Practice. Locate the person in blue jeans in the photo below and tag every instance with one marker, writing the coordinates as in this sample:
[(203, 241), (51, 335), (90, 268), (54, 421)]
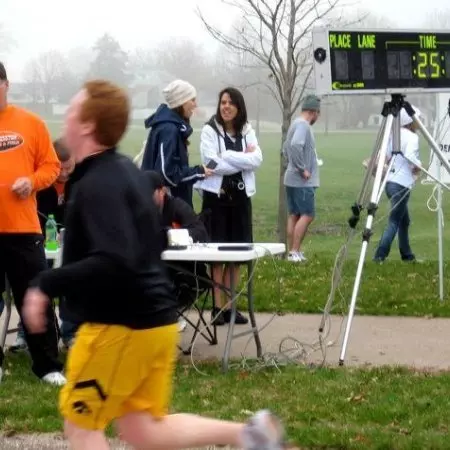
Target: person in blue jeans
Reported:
[(52, 201), (400, 180)]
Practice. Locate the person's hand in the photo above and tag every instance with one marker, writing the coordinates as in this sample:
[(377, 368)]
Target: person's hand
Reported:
[(306, 175), (22, 187), (250, 148), (416, 170), (34, 309), (208, 172)]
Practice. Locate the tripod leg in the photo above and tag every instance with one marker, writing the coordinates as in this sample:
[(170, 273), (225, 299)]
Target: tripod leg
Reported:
[(432, 143), (361, 200), (367, 232), (396, 133)]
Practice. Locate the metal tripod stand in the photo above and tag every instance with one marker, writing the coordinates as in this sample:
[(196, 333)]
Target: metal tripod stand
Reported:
[(389, 126)]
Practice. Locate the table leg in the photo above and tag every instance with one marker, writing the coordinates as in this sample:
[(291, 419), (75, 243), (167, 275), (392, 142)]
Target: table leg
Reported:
[(8, 304), (230, 335), (251, 308)]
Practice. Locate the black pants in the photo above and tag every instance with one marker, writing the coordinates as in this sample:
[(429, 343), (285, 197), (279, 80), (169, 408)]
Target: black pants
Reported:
[(22, 257)]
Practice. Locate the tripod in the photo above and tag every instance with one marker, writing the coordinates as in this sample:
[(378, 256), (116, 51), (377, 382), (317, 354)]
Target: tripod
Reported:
[(390, 126)]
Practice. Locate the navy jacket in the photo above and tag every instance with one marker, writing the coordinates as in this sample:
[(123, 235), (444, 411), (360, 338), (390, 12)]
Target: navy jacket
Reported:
[(166, 152)]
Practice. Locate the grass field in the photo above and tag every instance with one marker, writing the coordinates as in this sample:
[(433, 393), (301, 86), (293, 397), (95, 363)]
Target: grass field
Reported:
[(392, 289), (341, 179), (323, 409), (386, 408)]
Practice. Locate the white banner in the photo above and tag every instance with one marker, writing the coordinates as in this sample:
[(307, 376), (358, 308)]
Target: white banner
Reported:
[(442, 138)]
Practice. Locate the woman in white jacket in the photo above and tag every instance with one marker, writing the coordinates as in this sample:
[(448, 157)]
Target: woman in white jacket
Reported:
[(228, 143)]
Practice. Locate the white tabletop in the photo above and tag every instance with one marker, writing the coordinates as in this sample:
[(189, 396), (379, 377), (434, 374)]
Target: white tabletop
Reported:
[(208, 253)]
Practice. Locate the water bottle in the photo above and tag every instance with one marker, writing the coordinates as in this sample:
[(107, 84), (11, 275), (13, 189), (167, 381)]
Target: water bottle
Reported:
[(51, 234)]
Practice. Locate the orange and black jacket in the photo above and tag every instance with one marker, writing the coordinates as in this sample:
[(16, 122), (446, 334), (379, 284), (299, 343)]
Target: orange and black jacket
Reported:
[(26, 150)]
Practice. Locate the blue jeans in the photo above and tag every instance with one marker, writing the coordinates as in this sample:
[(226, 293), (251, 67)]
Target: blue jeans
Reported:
[(398, 223)]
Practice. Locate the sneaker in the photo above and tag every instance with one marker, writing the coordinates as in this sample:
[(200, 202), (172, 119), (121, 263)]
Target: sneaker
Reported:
[(217, 318), (296, 257), (239, 320), (182, 324), (263, 431), (19, 345), (302, 256), (55, 378), (413, 260)]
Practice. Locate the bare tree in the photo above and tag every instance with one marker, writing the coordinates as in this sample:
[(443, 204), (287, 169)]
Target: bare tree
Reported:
[(43, 75), (184, 58), (277, 33)]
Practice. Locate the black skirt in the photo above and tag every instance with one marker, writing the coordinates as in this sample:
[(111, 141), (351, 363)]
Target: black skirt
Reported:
[(228, 218)]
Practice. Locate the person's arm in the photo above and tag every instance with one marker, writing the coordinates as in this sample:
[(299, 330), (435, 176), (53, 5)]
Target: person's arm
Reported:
[(209, 150), (47, 164), (168, 159), (412, 153), (298, 143), (185, 216), (109, 228), (249, 159)]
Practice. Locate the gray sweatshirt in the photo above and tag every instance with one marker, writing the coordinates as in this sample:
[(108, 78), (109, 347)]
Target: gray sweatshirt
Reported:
[(300, 151)]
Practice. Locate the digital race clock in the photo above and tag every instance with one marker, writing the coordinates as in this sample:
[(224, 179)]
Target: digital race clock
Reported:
[(376, 62)]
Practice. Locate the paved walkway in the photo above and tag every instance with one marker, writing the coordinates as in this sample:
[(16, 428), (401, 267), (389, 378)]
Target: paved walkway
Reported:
[(416, 342)]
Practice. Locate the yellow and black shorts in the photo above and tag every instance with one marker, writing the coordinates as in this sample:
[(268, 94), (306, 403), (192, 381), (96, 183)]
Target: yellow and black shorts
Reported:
[(113, 370)]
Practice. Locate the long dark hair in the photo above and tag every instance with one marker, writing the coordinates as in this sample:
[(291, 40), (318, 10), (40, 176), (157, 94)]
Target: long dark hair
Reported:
[(238, 100)]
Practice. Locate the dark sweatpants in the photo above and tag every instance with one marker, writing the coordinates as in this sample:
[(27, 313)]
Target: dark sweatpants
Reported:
[(22, 257)]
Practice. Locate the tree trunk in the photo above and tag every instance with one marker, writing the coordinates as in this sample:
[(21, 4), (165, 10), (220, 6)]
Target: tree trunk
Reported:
[(282, 210)]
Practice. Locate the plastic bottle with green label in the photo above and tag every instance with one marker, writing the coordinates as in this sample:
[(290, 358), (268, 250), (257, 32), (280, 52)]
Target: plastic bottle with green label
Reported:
[(51, 234)]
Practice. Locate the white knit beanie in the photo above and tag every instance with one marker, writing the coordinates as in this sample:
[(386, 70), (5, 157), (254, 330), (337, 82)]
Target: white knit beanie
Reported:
[(178, 92)]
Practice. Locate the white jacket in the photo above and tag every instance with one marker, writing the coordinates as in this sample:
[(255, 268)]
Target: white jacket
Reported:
[(229, 162)]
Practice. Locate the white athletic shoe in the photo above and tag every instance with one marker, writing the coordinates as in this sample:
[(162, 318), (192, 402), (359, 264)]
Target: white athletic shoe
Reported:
[(55, 378), (302, 256), (182, 324), (296, 257), (263, 431)]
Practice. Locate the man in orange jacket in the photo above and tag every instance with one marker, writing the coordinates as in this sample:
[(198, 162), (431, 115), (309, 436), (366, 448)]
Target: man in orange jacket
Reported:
[(28, 163)]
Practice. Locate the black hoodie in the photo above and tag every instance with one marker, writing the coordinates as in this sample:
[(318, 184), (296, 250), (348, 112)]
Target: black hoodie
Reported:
[(112, 271)]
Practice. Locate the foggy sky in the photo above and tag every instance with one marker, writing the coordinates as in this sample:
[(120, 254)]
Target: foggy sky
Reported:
[(39, 26)]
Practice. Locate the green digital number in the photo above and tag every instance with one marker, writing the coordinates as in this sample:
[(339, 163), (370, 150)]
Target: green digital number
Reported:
[(422, 64), (435, 66), (430, 60)]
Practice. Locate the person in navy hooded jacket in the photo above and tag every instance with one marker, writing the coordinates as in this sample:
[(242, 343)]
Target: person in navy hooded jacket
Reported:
[(166, 150)]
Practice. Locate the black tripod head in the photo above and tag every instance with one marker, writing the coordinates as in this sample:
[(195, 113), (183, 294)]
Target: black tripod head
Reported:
[(395, 105)]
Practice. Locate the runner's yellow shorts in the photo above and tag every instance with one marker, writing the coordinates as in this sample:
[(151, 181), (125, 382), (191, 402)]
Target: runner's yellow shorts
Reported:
[(113, 370)]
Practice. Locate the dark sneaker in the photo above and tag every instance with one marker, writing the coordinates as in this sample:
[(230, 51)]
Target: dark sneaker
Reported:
[(217, 318), (19, 345), (263, 431), (413, 260), (240, 319)]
